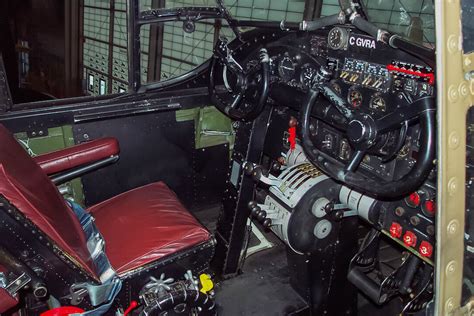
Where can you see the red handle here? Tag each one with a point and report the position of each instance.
(133, 305)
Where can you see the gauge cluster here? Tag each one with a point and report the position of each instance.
(372, 78)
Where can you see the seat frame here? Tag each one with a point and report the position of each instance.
(29, 245)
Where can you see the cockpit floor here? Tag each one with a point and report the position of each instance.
(263, 288)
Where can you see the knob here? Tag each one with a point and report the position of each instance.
(257, 173)
(267, 223)
(262, 215)
(248, 168)
(252, 204)
(276, 166)
(256, 211)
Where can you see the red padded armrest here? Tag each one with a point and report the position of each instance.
(75, 156)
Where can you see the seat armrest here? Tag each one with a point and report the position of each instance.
(78, 155)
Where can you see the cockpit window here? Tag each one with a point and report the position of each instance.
(183, 51)
(169, 51)
(413, 19)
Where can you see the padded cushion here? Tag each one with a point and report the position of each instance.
(78, 155)
(25, 185)
(144, 225)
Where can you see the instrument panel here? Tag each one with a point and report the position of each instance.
(374, 79)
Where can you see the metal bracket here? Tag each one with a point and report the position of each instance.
(16, 285)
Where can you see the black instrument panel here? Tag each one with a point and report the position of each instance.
(372, 77)
(375, 79)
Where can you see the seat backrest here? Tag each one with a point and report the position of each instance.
(26, 186)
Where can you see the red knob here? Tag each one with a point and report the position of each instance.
(430, 207)
(426, 249)
(396, 230)
(409, 239)
(413, 200)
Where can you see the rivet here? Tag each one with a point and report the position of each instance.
(452, 186)
(453, 227)
(452, 93)
(451, 268)
(453, 140)
(463, 89)
(449, 305)
(452, 43)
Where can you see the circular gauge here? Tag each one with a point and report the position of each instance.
(336, 87)
(337, 37)
(355, 98)
(307, 75)
(286, 68)
(377, 103)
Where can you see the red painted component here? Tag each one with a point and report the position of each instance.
(414, 199)
(430, 207)
(430, 75)
(161, 226)
(426, 249)
(75, 156)
(133, 305)
(7, 301)
(26, 185)
(409, 239)
(292, 137)
(396, 230)
(63, 311)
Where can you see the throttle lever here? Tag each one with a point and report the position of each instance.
(259, 174)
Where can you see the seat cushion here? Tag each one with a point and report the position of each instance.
(145, 224)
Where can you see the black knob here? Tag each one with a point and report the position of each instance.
(276, 166)
(252, 204)
(255, 211)
(257, 173)
(248, 168)
(267, 223)
(329, 207)
(262, 215)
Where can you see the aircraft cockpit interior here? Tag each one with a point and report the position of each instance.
(314, 165)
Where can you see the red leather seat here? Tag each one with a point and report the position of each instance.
(139, 226)
(151, 217)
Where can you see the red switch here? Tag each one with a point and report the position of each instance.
(426, 249)
(413, 200)
(409, 239)
(396, 230)
(429, 207)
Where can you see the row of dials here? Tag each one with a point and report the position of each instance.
(355, 98)
(287, 70)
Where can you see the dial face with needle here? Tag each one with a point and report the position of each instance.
(337, 38)
(355, 98)
(307, 75)
(378, 103)
(286, 68)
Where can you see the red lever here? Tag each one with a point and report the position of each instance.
(133, 305)
(292, 137)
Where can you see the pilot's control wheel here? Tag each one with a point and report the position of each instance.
(365, 132)
(245, 88)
